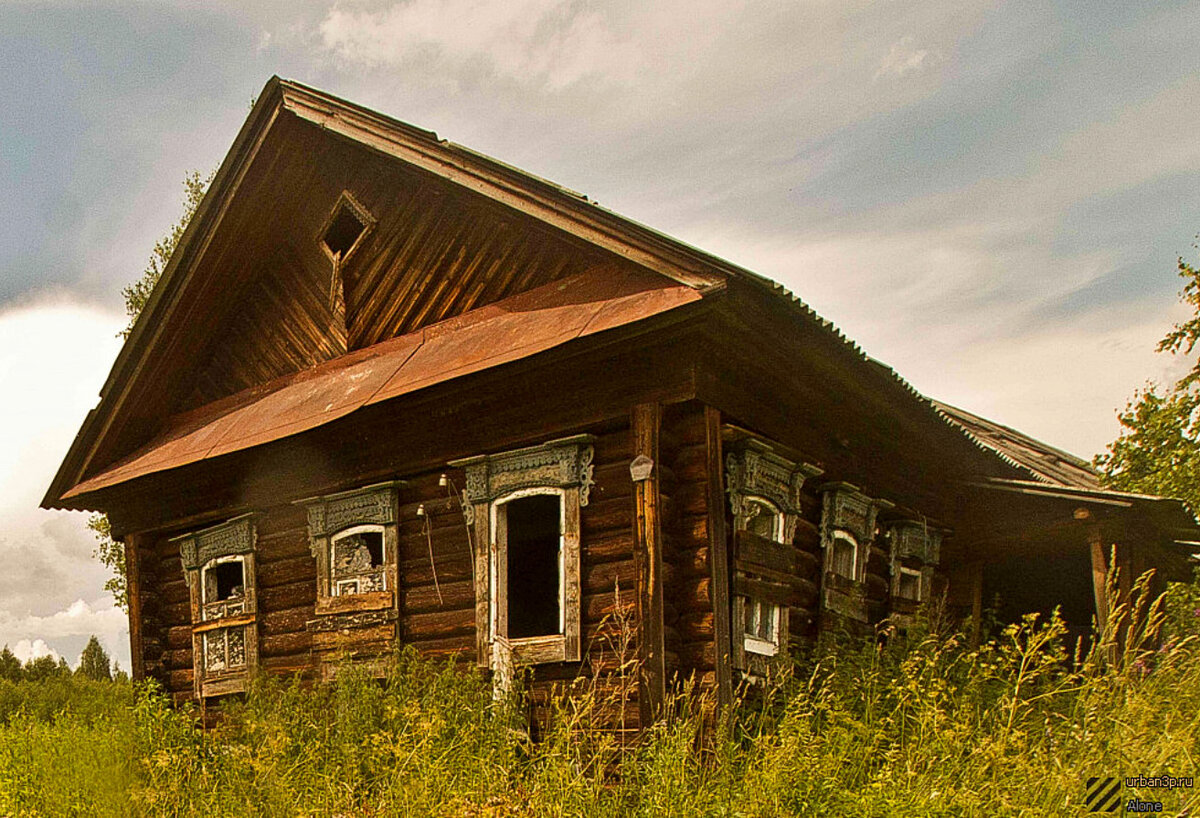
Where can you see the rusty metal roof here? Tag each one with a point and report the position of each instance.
(505, 331)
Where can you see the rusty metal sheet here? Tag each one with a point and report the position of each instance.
(508, 330)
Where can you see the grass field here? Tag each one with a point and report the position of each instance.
(920, 725)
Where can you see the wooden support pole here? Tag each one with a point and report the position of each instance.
(648, 560)
(133, 585)
(976, 603)
(718, 562)
(1099, 576)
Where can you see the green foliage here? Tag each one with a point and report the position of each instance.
(10, 666)
(1158, 450)
(44, 667)
(94, 663)
(923, 725)
(112, 554)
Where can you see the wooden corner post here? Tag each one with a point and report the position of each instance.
(718, 557)
(648, 559)
(133, 596)
(1099, 576)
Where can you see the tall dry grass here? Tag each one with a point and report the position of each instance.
(921, 724)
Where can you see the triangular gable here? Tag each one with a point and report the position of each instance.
(212, 280)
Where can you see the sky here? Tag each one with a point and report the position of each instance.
(990, 198)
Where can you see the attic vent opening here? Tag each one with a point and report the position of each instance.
(344, 230)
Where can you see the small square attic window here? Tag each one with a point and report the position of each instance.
(344, 230)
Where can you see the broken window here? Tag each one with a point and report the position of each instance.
(524, 509)
(218, 564)
(224, 589)
(356, 561)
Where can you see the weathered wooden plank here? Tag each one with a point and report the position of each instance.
(134, 583)
(719, 576)
(648, 561)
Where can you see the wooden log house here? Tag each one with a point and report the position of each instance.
(391, 390)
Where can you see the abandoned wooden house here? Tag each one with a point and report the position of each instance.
(389, 390)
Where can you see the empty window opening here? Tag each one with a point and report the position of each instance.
(224, 592)
(343, 232)
(227, 581)
(909, 586)
(844, 560)
(357, 561)
(534, 547)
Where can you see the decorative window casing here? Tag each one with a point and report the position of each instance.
(848, 524)
(353, 538)
(513, 503)
(914, 550)
(765, 492)
(219, 566)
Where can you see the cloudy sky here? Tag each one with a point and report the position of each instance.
(988, 197)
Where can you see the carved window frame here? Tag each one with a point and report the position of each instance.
(199, 552)
(847, 511)
(756, 475)
(334, 516)
(563, 467)
(914, 548)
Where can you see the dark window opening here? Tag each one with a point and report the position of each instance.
(227, 581)
(343, 232)
(534, 525)
(909, 586)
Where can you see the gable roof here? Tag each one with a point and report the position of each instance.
(556, 207)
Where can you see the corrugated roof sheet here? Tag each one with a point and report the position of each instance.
(1044, 461)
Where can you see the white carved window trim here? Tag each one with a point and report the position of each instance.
(335, 583)
(749, 605)
(498, 557)
(758, 476)
(205, 603)
(836, 537)
(373, 508)
(562, 467)
(200, 552)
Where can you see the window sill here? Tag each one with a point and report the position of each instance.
(537, 650)
(760, 646)
(227, 622)
(353, 603)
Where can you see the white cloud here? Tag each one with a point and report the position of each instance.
(902, 58)
(548, 43)
(65, 632)
(25, 650)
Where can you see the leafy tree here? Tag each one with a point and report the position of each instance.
(94, 662)
(1158, 449)
(110, 552)
(44, 667)
(10, 666)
